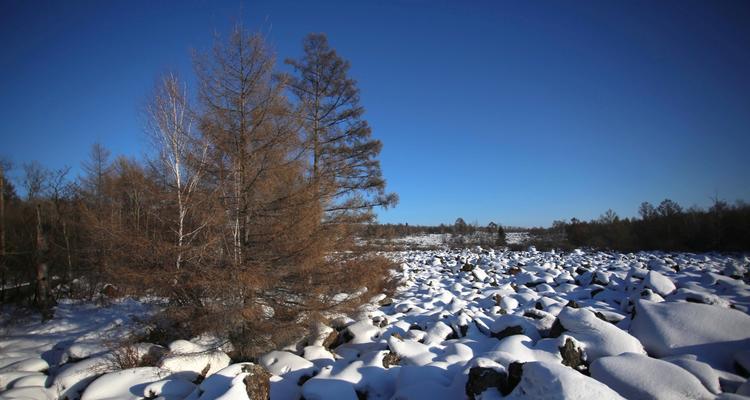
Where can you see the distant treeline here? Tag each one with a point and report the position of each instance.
(668, 227)
(460, 227)
(722, 227)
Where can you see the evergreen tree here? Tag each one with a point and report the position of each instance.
(344, 164)
(501, 240)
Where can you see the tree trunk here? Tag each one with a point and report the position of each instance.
(42, 281)
(69, 265)
(3, 268)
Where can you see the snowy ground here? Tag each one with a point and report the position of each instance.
(423, 241)
(517, 237)
(464, 324)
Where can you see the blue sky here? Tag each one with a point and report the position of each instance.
(509, 111)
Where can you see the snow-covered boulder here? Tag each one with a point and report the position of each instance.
(193, 365)
(127, 384)
(542, 380)
(28, 393)
(72, 379)
(27, 365)
(508, 325)
(659, 283)
(169, 389)
(713, 334)
(599, 338)
(636, 376)
(283, 362)
(707, 375)
(225, 384)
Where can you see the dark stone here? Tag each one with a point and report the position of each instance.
(600, 316)
(573, 357)
(513, 271)
(463, 329)
(415, 327)
(481, 379)
(572, 304)
(557, 329)
(531, 314)
(342, 337)
(257, 383)
(110, 291)
(509, 331)
(596, 291)
(539, 306)
(596, 281)
(361, 395)
(467, 267)
(741, 370)
(515, 371)
(203, 374)
(303, 379)
(386, 302)
(331, 340)
(391, 359)
(498, 298)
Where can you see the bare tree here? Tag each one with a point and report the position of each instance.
(181, 152)
(3, 266)
(60, 189)
(97, 170)
(36, 183)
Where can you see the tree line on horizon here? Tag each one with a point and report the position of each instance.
(243, 216)
(667, 227)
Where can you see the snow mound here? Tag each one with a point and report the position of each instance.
(599, 338)
(659, 283)
(541, 380)
(193, 365)
(128, 384)
(713, 334)
(636, 376)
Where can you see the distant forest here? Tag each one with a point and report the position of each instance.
(667, 227)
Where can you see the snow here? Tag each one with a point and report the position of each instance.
(713, 334)
(599, 338)
(554, 381)
(193, 365)
(549, 317)
(659, 283)
(636, 376)
(127, 384)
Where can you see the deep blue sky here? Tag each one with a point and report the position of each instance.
(516, 112)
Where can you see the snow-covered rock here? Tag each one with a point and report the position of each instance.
(659, 283)
(713, 334)
(551, 381)
(599, 338)
(636, 376)
(127, 384)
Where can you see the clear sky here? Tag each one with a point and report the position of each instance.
(518, 112)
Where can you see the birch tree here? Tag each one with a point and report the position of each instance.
(181, 153)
